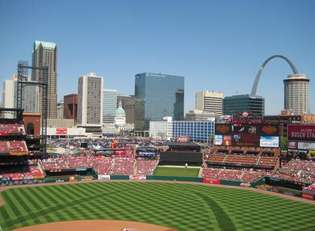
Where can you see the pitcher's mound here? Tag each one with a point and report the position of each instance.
(96, 225)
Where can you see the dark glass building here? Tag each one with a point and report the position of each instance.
(244, 103)
(157, 96)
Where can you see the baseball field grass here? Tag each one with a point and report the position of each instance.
(182, 206)
(176, 171)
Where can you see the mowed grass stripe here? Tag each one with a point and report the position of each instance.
(173, 205)
(11, 204)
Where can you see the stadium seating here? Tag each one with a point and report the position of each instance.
(122, 166)
(145, 167)
(17, 147)
(268, 161)
(12, 129)
(4, 148)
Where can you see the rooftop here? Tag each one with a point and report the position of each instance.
(48, 45)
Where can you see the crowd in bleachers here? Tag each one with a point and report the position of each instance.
(301, 171)
(243, 175)
(27, 173)
(145, 167)
(9, 129)
(13, 147)
(113, 165)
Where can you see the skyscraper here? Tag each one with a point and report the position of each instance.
(157, 96)
(296, 94)
(244, 103)
(90, 101)
(45, 54)
(109, 105)
(210, 102)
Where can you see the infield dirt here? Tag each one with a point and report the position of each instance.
(96, 225)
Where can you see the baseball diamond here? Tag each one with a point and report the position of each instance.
(179, 206)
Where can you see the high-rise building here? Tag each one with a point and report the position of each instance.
(157, 96)
(296, 94)
(109, 105)
(70, 106)
(128, 104)
(45, 54)
(90, 101)
(210, 102)
(244, 103)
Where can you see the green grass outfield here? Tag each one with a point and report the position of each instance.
(176, 171)
(184, 206)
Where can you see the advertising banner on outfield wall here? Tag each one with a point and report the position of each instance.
(103, 177)
(269, 141)
(301, 132)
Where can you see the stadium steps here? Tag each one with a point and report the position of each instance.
(258, 160)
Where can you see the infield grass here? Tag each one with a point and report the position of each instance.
(176, 171)
(188, 207)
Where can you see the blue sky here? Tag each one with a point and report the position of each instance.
(216, 45)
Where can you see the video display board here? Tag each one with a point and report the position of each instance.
(246, 133)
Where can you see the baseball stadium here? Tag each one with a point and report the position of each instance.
(135, 184)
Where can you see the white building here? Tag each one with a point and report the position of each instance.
(9, 93)
(90, 101)
(109, 105)
(210, 102)
(30, 95)
(120, 116)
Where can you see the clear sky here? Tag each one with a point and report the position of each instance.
(216, 45)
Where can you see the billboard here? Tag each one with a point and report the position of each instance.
(292, 145)
(218, 139)
(269, 141)
(301, 132)
(306, 146)
(61, 131)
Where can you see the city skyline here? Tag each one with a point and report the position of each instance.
(199, 41)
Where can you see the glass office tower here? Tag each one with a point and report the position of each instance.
(244, 103)
(157, 96)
